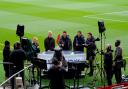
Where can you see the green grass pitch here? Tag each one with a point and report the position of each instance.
(40, 16)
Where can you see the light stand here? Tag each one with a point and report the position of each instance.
(41, 65)
(101, 31)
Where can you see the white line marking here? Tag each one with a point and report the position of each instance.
(107, 19)
(95, 16)
(106, 13)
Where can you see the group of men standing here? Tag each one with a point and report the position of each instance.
(79, 43)
(66, 44)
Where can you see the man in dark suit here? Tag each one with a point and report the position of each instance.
(49, 42)
(79, 41)
(65, 42)
(17, 57)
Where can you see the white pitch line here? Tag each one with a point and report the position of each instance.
(107, 19)
(95, 16)
(106, 13)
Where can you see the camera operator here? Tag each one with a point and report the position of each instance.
(59, 56)
(118, 62)
(108, 61)
(56, 75)
(90, 52)
(6, 58)
(17, 57)
(65, 42)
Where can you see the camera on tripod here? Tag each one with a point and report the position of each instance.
(20, 30)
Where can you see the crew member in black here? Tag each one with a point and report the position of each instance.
(17, 57)
(49, 42)
(118, 62)
(79, 41)
(65, 42)
(56, 75)
(59, 56)
(6, 58)
(108, 64)
(90, 52)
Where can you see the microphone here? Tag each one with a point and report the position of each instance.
(97, 39)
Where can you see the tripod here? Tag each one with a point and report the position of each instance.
(96, 72)
(101, 58)
(41, 65)
(78, 67)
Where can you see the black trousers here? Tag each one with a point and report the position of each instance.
(91, 58)
(109, 75)
(7, 70)
(15, 70)
(118, 75)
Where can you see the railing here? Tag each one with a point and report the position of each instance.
(14, 75)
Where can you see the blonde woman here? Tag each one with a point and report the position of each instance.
(35, 45)
(36, 49)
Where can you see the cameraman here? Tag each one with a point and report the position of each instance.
(17, 57)
(56, 75)
(59, 56)
(108, 64)
(90, 52)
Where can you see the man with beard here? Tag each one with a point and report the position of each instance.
(65, 42)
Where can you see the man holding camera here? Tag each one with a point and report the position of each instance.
(17, 57)
(90, 52)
